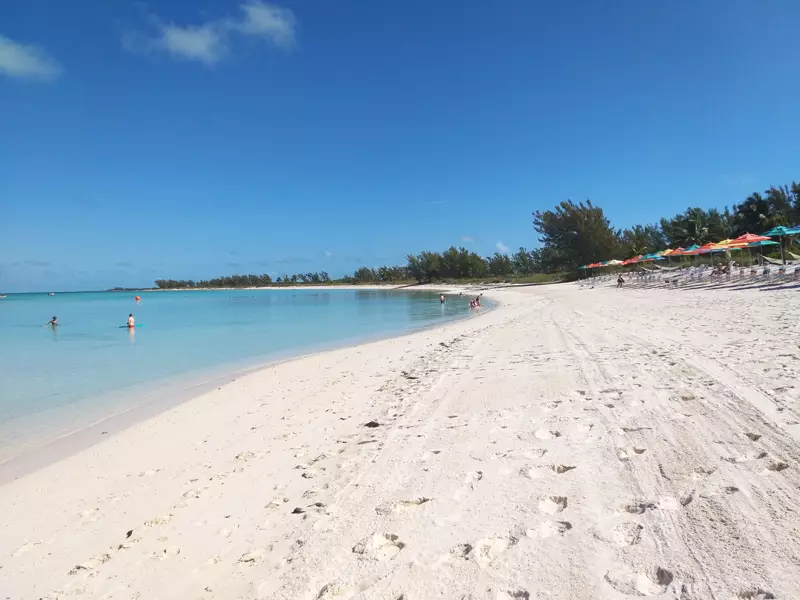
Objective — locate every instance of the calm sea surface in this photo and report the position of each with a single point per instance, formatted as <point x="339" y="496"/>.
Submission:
<point x="53" y="380"/>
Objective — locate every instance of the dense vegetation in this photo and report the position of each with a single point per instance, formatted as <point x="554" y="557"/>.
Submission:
<point x="576" y="234"/>
<point x="571" y="235"/>
<point x="453" y="263"/>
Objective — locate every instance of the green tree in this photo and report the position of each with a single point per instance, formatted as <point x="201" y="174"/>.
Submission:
<point x="575" y="234"/>
<point x="641" y="239"/>
<point x="425" y="266"/>
<point x="500" y="264"/>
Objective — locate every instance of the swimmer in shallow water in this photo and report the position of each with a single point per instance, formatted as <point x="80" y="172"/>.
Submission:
<point x="53" y="322"/>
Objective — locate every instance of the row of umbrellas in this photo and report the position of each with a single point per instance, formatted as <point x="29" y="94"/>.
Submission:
<point x="748" y="240"/>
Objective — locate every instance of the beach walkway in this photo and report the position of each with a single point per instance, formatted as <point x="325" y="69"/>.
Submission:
<point x="570" y="444"/>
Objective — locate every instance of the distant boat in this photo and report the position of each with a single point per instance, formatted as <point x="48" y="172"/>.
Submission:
<point x="51" y="293"/>
<point x="2" y="297"/>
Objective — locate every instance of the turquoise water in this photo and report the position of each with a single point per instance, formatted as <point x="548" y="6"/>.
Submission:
<point x="89" y="361"/>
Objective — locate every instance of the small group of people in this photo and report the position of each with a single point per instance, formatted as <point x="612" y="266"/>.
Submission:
<point x="721" y="269"/>
<point x="475" y="303"/>
<point x="131" y="322"/>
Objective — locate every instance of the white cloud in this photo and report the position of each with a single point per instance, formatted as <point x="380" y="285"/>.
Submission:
<point x="273" y="23"/>
<point x="209" y="42"/>
<point x="206" y="43"/>
<point x="19" y="60"/>
<point x="328" y="253"/>
<point x="467" y="239"/>
<point x="501" y="247"/>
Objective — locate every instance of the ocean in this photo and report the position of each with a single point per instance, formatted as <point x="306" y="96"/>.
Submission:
<point x="56" y="380"/>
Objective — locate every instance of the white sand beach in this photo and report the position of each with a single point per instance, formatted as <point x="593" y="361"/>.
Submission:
<point x="570" y="444"/>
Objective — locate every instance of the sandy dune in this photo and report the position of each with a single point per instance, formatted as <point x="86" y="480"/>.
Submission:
<point x="570" y="444"/>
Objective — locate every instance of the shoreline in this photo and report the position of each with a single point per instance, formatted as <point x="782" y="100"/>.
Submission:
<point x="185" y="388"/>
<point x="573" y="443"/>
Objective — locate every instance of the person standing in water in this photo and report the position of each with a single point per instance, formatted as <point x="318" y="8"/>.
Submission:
<point x="53" y="321"/>
<point x="442" y="299"/>
<point x="131" y="322"/>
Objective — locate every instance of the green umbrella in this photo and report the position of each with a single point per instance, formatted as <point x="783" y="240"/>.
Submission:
<point x="764" y="243"/>
<point x="779" y="232"/>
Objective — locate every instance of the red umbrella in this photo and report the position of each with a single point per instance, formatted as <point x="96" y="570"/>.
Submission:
<point x="749" y="238"/>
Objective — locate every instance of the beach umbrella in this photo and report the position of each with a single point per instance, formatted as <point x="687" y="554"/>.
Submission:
<point x="749" y="238"/>
<point x="761" y="243"/>
<point x="687" y="251"/>
<point x="779" y="232"/>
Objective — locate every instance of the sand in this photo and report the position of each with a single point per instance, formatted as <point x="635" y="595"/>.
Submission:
<point x="570" y="444"/>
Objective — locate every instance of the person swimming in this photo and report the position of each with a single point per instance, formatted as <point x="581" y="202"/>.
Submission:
<point x="53" y="321"/>
<point x="131" y="322"/>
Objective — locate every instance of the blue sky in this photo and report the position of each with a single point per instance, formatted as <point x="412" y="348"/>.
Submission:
<point x="193" y="139"/>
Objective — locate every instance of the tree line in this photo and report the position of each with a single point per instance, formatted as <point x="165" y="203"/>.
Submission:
<point x="453" y="263"/>
<point x="574" y="234"/>
<point x="243" y="281"/>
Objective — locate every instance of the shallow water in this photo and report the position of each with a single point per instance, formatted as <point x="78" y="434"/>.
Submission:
<point x="87" y="363"/>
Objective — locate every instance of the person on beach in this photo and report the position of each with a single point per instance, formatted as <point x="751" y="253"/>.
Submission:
<point x="620" y="281"/>
<point x="131" y="322"/>
<point x="53" y="322"/>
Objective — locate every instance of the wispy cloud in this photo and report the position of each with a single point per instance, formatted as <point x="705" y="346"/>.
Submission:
<point x="328" y="253"/>
<point x="37" y="263"/>
<point x="501" y="247"/>
<point x="29" y="62"/>
<point x="467" y="239"/>
<point x="209" y="42"/>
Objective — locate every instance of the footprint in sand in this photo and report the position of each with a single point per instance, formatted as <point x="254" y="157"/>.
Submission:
<point x="650" y="582"/>
<point x="341" y="591"/>
<point x="754" y="594"/>
<point x="546" y="434"/>
<point x="91" y="564"/>
<point x="513" y="594"/>
<point x="549" y="529"/>
<point x="166" y="553"/>
<point x="552" y="505"/>
<point x="90" y="516"/>
<point x="256" y="555"/>
<point x="743" y="458"/>
<point x="380" y="546"/>
<point x="533" y="472"/>
<point x="486" y="550"/>
<point x="753" y="437"/>
<point x="561" y="469"/>
<point x="638" y="507"/>
<point x="470" y="479"/>
<point x="777" y="466"/>
<point x="701" y="472"/>
<point x="390" y="507"/>
<point x="627" y="534"/>
<point x="155" y="522"/>
<point x="192" y="494"/>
